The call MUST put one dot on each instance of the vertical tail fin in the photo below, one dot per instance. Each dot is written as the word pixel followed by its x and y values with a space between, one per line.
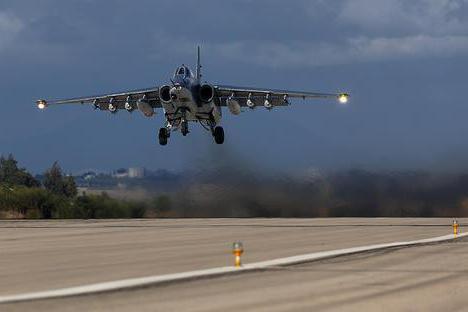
pixel 199 75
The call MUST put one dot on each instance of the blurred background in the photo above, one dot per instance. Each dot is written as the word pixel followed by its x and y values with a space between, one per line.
pixel 404 64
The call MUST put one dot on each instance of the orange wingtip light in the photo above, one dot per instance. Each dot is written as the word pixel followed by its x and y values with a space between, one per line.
pixel 343 98
pixel 41 104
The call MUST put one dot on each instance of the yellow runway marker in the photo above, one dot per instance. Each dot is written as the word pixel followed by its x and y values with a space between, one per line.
pixel 237 250
pixel 455 226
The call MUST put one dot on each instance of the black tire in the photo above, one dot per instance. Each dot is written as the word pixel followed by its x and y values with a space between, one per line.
pixel 218 134
pixel 184 128
pixel 163 135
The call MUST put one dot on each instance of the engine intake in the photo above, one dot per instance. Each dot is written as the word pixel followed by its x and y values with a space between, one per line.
pixel 206 93
pixel 165 94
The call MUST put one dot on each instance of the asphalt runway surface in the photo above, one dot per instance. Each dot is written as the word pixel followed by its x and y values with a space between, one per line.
pixel 45 255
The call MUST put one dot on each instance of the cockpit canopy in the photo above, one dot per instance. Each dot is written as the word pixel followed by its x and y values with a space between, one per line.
pixel 183 71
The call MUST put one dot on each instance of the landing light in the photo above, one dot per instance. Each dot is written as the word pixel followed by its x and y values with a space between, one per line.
pixel 343 98
pixel 41 104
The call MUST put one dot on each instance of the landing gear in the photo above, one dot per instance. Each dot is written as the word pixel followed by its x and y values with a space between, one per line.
pixel 218 134
pixel 184 127
pixel 184 123
pixel 163 136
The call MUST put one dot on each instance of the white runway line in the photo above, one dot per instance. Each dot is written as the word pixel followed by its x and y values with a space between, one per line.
pixel 160 279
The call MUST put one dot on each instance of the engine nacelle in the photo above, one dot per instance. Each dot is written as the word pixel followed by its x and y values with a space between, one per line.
pixel 165 94
pixel 233 106
pixel 145 107
pixel 206 93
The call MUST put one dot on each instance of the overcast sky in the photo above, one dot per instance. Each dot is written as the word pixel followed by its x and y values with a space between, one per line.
pixel 405 64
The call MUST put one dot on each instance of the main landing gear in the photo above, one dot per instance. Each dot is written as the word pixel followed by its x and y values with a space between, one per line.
pixel 216 131
pixel 163 136
pixel 218 134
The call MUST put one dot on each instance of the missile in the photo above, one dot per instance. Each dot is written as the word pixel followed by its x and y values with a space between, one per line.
pixel 267 102
pixel 250 103
pixel 112 107
pixel 128 106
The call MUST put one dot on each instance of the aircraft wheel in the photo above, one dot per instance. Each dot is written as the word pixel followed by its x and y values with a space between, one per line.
pixel 163 135
pixel 218 134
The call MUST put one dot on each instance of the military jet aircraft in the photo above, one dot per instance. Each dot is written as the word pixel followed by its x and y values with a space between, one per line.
pixel 188 99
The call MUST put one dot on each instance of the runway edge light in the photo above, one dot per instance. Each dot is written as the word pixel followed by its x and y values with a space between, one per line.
pixel 237 251
pixel 455 226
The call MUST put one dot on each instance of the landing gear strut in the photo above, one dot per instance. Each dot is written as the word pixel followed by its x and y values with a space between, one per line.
pixel 184 123
pixel 163 136
pixel 184 127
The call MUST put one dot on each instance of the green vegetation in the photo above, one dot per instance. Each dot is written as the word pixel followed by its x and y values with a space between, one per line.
pixel 353 193
pixel 102 206
pixel 56 183
pixel 10 174
pixel 22 196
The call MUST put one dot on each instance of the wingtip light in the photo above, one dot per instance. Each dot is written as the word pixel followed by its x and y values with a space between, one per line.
pixel 343 98
pixel 41 104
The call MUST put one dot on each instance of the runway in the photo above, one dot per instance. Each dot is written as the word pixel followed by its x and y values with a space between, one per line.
pixel 43 255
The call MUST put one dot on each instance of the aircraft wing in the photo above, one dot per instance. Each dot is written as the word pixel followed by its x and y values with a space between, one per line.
pixel 251 97
pixel 118 100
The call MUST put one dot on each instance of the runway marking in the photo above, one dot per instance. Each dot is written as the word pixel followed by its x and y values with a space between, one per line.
pixel 185 276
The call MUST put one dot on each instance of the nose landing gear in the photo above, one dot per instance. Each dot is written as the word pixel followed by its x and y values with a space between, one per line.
pixel 184 123
pixel 184 127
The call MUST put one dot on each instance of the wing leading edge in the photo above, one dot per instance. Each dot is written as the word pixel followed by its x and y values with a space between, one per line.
pixel 119 100
pixel 252 97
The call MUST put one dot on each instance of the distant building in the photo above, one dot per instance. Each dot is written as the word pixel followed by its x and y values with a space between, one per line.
pixel 89 175
pixel 136 173
pixel 132 173
pixel 120 173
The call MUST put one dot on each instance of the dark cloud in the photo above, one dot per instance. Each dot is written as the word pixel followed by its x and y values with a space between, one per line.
pixel 51 30
pixel 403 62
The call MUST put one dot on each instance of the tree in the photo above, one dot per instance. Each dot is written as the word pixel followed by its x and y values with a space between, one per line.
pixel 10 174
pixel 53 179
pixel 56 183
pixel 69 187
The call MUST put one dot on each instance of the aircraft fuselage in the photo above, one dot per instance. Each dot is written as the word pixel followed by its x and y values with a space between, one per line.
pixel 188 100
